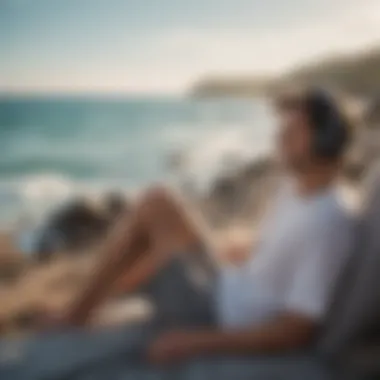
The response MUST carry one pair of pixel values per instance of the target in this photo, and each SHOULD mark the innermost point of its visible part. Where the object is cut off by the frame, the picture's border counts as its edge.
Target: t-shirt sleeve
(320, 258)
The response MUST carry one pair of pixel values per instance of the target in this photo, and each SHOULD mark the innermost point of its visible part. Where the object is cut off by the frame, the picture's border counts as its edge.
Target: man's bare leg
(159, 226)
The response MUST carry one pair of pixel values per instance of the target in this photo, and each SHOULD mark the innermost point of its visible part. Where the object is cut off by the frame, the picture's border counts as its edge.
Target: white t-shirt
(303, 246)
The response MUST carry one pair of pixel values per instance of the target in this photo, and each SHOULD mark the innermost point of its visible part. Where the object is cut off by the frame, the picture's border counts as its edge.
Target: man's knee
(159, 199)
(158, 194)
(164, 211)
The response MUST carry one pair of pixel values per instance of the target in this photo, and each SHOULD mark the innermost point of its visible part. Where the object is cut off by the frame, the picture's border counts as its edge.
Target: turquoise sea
(55, 147)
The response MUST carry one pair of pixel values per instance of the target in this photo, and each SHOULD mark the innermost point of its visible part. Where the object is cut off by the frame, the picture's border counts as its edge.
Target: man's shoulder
(330, 217)
(338, 232)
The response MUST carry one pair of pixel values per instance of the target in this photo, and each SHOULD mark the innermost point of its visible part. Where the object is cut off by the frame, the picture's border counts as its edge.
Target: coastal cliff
(357, 73)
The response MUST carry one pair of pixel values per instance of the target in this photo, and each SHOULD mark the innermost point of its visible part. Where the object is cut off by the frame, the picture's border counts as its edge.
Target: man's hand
(236, 253)
(172, 347)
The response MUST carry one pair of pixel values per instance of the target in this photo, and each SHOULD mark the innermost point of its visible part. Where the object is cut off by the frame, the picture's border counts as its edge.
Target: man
(274, 297)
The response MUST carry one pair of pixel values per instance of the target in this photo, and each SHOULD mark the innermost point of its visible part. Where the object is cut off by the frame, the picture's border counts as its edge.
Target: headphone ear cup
(318, 146)
(329, 142)
(330, 128)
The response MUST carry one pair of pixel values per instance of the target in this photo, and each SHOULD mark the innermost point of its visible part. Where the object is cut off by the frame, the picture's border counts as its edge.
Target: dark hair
(330, 125)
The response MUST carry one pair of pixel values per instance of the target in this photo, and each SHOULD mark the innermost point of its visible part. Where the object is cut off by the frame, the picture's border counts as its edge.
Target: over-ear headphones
(330, 127)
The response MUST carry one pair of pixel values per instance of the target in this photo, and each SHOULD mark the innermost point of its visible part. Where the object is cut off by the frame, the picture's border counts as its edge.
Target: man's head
(313, 130)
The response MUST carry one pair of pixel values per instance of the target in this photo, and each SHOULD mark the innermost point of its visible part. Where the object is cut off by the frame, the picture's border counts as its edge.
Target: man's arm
(237, 252)
(285, 333)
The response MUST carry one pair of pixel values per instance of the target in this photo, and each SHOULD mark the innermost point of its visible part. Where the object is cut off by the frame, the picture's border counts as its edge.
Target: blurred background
(100, 98)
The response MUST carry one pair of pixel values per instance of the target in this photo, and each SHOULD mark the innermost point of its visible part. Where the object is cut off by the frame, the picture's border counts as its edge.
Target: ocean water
(55, 147)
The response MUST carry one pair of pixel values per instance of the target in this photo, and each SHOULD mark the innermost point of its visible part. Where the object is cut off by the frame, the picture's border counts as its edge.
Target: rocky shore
(29, 283)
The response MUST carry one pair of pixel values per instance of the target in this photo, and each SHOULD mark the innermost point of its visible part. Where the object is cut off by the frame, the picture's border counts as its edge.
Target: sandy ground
(26, 287)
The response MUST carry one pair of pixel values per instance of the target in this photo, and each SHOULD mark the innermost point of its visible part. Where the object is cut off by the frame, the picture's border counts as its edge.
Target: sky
(163, 46)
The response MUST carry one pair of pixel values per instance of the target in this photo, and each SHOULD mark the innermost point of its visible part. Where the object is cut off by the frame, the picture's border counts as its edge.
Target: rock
(372, 115)
(259, 168)
(115, 204)
(12, 262)
(176, 161)
(365, 147)
(242, 193)
(78, 225)
(68, 228)
(354, 171)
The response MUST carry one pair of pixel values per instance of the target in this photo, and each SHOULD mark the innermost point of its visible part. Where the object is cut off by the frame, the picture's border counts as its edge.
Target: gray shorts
(183, 293)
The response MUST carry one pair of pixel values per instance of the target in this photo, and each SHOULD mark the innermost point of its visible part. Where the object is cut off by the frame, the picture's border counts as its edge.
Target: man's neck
(316, 180)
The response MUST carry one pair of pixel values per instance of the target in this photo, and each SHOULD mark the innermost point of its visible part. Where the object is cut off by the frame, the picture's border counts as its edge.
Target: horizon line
(88, 94)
